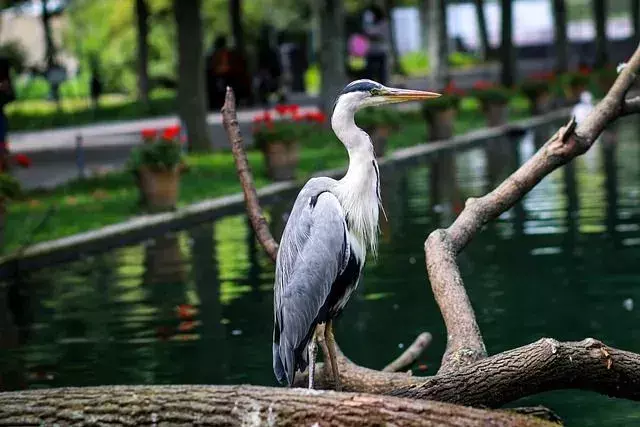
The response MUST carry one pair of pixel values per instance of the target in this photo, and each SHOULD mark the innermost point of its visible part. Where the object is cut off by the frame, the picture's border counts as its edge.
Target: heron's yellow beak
(392, 95)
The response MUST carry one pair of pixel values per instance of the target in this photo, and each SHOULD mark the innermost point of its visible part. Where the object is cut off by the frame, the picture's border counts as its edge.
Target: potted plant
(9, 186)
(157, 165)
(494, 100)
(379, 123)
(574, 84)
(538, 90)
(278, 139)
(605, 78)
(440, 113)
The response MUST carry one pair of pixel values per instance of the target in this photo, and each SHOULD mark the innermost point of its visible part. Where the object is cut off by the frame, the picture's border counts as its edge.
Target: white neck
(358, 190)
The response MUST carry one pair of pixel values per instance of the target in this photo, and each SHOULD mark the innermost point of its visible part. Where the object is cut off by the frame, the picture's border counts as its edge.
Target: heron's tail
(283, 363)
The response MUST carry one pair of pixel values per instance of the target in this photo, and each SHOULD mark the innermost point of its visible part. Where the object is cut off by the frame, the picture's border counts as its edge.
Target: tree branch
(235, 405)
(258, 221)
(631, 106)
(411, 354)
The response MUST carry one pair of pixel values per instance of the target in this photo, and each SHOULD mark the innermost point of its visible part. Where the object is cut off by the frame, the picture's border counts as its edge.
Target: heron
(332, 225)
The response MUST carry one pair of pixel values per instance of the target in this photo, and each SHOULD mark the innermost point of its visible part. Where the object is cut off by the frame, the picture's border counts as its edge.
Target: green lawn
(84, 205)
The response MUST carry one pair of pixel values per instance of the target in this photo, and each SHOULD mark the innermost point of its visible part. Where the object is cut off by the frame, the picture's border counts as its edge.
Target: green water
(560, 264)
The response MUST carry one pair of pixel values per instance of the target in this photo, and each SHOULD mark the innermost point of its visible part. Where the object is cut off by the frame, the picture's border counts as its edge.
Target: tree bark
(332, 51)
(438, 42)
(635, 18)
(235, 13)
(561, 40)
(483, 33)
(600, 18)
(50, 47)
(507, 52)
(236, 405)
(191, 81)
(142, 17)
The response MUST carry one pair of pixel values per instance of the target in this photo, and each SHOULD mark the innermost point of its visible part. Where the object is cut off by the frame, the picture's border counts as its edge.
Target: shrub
(290, 125)
(372, 117)
(487, 92)
(451, 96)
(158, 152)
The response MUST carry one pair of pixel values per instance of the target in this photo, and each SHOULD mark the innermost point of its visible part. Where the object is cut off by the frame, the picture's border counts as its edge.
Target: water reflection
(196, 307)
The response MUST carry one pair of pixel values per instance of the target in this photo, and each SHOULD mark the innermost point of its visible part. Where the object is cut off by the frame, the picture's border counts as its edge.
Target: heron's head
(367, 93)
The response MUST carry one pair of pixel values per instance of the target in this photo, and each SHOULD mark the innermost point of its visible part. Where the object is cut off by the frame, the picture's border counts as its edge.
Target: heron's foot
(313, 351)
(333, 359)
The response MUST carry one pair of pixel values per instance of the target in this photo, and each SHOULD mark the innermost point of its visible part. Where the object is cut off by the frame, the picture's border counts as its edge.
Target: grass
(92, 203)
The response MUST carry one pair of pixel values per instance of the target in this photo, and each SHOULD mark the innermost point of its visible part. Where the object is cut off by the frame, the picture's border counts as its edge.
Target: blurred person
(376, 27)
(218, 71)
(269, 70)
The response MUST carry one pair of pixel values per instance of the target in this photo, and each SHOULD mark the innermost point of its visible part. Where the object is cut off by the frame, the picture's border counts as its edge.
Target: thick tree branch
(258, 221)
(464, 340)
(411, 354)
(235, 406)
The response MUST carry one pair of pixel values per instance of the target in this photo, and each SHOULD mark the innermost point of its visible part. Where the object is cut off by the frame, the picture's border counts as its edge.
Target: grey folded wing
(313, 251)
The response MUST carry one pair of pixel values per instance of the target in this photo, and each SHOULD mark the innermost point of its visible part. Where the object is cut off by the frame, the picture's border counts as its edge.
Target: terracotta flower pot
(159, 187)
(282, 159)
(540, 102)
(379, 136)
(497, 114)
(440, 124)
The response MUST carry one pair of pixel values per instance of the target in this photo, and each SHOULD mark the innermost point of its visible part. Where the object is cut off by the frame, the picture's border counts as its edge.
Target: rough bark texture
(191, 82)
(142, 17)
(483, 35)
(561, 41)
(600, 18)
(258, 221)
(332, 51)
(235, 405)
(507, 52)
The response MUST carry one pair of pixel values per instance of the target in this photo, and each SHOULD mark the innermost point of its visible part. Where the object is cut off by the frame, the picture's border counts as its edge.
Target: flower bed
(494, 100)
(440, 113)
(9, 186)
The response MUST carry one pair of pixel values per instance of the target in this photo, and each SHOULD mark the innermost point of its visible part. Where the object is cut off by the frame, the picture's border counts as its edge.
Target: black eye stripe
(365, 86)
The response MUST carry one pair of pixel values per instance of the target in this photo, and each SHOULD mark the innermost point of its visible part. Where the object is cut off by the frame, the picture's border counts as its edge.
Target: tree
(142, 15)
(483, 34)
(235, 13)
(600, 18)
(395, 56)
(191, 82)
(561, 41)
(507, 53)
(332, 50)
(438, 41)
(50, 47)
(635, 18)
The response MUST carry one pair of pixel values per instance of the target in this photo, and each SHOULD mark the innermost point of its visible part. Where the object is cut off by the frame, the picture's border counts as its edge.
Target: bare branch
(254, 211)
(234, 406)
(411, 354)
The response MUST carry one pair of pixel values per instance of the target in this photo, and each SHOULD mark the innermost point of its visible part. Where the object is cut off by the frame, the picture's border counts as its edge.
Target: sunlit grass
(93, 203)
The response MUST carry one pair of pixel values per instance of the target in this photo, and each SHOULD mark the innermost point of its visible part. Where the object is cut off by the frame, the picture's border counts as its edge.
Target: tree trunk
(50, 47)
(438, 41)
(507, 52)
(332, 51)
(483, 34)
(635, 17)
(235, 13)
(236, 405)
(561, 41)
(142, 16)
(395, 56)
(423, 13)
(600, 18)
(191, 81)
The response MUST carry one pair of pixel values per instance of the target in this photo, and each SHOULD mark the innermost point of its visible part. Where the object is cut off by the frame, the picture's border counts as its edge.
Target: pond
(196, 307)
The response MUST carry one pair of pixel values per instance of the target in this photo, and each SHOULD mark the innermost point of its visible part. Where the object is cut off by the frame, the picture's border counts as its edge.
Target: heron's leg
(331, 345)
(313, 351)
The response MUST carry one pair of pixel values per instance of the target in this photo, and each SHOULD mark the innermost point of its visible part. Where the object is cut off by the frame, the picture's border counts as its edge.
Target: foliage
(9, 187)
(450, 98)
(372, 117)
(462, 60)
(418, 64)
(290, 126)
(14, 51)
(158, 152)
(576, 79)
(538, 84)
(487, 92)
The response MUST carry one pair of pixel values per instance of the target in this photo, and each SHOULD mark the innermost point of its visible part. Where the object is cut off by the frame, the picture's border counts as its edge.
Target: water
(196, 307)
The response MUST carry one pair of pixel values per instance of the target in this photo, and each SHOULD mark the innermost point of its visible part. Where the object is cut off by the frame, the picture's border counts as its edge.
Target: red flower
(315, 116)
(149, 134)
(546, 76)
(293, 109)
(282, 109)
(171, 133)
(22, 160)
(452, 89)
(482, 85)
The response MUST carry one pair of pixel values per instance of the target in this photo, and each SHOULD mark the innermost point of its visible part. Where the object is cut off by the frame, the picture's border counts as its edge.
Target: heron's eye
(375, 91)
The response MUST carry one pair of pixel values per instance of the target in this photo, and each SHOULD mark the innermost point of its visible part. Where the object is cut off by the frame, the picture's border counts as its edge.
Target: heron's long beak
(392, 95)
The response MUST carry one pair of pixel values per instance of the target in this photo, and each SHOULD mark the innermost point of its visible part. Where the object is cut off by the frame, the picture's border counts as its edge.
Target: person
(269, 69)
(218, 72)
(376, 27)
(6, 96)
(96, 85)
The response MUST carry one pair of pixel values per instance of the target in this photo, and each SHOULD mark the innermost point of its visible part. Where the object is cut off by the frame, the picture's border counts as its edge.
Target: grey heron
(324, 245)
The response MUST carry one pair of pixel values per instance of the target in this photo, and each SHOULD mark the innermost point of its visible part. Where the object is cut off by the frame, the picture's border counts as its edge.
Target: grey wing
(313, 252)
